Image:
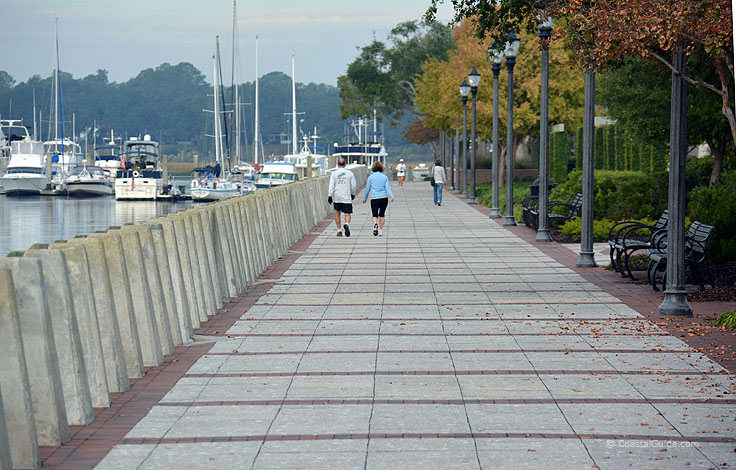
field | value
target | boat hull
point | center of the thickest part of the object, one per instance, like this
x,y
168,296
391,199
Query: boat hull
x,y
86,189
271,184
23,185
209,195
141,188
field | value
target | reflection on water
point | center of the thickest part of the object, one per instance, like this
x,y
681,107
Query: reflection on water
x,y
28,220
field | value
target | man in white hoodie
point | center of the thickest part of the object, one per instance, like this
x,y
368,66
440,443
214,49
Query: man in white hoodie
x,y
342,192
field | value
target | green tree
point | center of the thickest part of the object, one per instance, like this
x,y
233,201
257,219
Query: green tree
x,y
6,81
637,95
382,76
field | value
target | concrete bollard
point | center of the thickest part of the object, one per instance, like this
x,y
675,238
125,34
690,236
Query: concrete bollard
x,y
112,345
39,349
177,278
236,240
16,390
195,266
245,241
252,217
72,369
226,249
151,264
214,257
123,299
193,223
89,330
186,257
167,286
251,239
236,220
140,290
6,462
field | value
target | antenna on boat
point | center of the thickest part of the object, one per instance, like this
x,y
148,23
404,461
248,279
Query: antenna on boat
x,y
34,115
293,104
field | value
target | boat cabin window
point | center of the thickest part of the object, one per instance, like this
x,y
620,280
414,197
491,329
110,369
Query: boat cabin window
x,y
278,176
23,147
24,169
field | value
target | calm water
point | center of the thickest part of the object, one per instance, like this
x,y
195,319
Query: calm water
x,y
28,220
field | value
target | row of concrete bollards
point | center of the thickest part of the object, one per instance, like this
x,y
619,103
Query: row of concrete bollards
x,y
80,318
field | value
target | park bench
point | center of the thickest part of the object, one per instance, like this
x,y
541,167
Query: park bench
x,y
527,205
697,241
558,212
629,236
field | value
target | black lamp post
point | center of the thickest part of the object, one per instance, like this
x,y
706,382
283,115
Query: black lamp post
x,y
464,92
675,297
474,79
512,48
458,173
545,32
587,257
496,55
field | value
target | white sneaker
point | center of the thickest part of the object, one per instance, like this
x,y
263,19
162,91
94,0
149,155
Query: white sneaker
x,y
339,233
380,232
375,230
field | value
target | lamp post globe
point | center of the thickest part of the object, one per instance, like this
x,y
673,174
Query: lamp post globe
x,y
512,48
464,92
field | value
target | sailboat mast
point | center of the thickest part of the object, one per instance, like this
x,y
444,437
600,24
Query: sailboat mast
x,y
257,131
295,150
35,133
223,129
216,87
234,105
56,81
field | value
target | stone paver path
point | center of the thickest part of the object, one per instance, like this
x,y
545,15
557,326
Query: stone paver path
x,y
447,343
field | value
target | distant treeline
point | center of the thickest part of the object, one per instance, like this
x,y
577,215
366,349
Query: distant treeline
x,y
167,102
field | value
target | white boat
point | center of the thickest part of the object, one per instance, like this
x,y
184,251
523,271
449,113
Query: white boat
x,y
66,156
359,148
26,172
141,177
307,156
420,172
214,186
107,156
276,174
89,181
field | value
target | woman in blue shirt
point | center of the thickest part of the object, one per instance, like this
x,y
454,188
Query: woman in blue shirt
x,y
380,190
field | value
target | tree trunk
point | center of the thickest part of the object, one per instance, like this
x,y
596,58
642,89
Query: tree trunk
x,y
717,149
501,165
727,110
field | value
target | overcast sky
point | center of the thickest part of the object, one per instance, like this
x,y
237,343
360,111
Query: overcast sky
x,y
124,37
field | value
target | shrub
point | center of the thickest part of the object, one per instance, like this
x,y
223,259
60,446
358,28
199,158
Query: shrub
x,y
698,172
726,320
573,228
717,206
620,195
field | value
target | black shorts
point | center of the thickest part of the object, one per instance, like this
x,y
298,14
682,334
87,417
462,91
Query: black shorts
x,y
378,206
344,207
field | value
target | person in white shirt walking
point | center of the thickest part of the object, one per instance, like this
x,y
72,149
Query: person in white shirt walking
x,y
401,172
438,173
341,194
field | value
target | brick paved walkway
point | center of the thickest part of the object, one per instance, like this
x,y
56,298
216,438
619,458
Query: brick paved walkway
x,y
449,342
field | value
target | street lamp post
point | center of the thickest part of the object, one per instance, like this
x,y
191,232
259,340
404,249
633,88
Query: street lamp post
x,y
496,55
474,79
545,32
452,163
587,258
464,92
675,297
512,48
457,160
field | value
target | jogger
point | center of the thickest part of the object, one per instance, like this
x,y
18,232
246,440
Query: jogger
x,y
342,190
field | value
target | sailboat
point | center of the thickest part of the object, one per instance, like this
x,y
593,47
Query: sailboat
x,y
215,186
63,155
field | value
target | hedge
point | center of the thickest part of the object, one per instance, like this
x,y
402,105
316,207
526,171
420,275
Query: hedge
x,y
620,195
716,206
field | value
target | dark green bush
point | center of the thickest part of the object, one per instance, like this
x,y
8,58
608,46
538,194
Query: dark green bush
x,y
716,206
601,227
559,154
698,172
620,195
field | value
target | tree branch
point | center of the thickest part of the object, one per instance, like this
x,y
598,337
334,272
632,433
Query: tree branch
x,y
685,77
